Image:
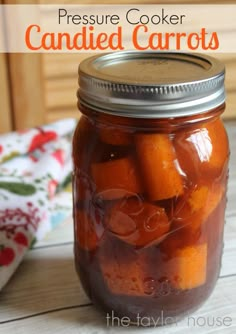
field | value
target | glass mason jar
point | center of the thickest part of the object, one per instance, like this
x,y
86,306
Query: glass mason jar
x,y
150,173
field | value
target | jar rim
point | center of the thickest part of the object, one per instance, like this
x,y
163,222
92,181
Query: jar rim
x,y
151,84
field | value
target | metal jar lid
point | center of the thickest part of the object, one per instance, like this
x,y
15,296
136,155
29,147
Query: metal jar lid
x,y
151,84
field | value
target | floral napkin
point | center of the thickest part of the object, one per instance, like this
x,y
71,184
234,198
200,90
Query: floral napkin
x,y
35,165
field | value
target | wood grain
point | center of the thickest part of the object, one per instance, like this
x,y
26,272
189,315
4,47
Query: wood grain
x,y
88,320
124,2
47,280
54,115
27,90
26,81
43,87
60,71
5,105
61,94
61,97
62,65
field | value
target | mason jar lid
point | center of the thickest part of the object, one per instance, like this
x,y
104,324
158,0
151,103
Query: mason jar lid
x,y
151,84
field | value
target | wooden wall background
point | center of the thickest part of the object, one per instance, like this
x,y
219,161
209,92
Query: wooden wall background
x,y
42,88
61,84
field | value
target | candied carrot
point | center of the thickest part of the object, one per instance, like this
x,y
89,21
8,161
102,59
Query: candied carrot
x,y
214,197
185,143
85,233
177,238
194,211
82,186
219,141
204,152
84,134
123,279
157,162
113,136
190,267
137,222
117,178
123,276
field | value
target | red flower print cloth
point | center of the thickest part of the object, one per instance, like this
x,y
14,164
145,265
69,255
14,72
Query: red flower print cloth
x,y
33,165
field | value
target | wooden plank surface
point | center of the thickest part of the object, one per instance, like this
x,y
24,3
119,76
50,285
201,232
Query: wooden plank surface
x,y
85,319
140,2
45,296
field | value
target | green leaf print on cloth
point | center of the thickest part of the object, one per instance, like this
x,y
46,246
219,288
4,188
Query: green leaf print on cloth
x,y
32,181
22,189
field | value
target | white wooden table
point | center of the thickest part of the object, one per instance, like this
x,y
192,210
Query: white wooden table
x,y
45,295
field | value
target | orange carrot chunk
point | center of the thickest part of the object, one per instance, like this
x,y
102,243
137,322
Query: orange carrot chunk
x,y
136,222
85,233
176,239
203,152
117,178
123,277
84,131
219,141
158,165
114,136
189,211
190,267
82,186
201,202
185,143
214,197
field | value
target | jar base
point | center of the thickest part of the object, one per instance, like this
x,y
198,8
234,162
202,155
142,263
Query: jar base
x,y
145,321
124,311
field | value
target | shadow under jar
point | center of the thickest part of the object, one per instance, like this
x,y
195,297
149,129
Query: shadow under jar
x,y
150,174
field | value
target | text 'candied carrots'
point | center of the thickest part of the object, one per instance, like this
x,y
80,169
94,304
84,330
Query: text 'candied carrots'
x,y
116,178
136,222
158,165
190,267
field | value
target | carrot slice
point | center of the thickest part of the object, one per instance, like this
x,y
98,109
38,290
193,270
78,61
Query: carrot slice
x,y
219,140
185,143
123,272
82,186
208,148
176,239
158,164
200,203
189,211
117,178
190,267
214,198
85,231
123,279
113,136
136,222
85,141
